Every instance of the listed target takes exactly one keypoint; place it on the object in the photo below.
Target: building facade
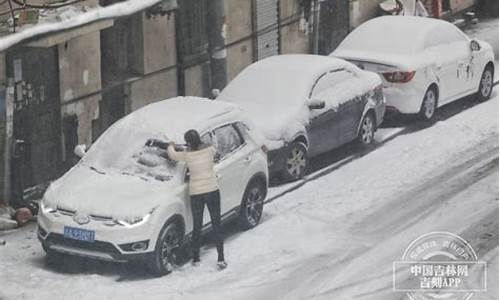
(65, 88)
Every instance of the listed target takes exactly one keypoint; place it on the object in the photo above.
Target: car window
(335, 80)
(227, 139)
(207, 138)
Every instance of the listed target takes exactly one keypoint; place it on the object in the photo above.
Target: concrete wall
(194, 81)
(293, 39)
(363, 10)
(154, 39)
(153, 88)
(239, 26)
(86, 110)
(79, 76)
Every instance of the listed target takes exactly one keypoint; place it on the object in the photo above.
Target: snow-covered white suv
(126, 200)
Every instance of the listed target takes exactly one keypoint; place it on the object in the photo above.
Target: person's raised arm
(175, 155)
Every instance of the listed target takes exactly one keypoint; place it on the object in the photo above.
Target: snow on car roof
(391, 34)
(177, 115)
(274, 90)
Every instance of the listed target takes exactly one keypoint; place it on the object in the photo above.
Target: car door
(452, 68)
(335, 124)
(231, 167)
(459, 45)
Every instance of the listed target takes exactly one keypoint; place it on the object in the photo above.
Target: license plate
(79, 234)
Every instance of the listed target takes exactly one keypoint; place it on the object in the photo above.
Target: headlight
(135, 221)
(46, 209)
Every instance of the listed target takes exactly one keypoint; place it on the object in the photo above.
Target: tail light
(399, 77)
(264, 148)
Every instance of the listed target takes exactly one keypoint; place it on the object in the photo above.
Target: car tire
(296, 162)
(168, 246)
(366, 134)
(252, 204)
(485, 84)
(429, 106)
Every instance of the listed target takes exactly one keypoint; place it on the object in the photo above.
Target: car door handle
(248, 159)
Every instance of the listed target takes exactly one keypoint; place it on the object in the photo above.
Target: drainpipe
(9, 130)
(316, 9)
(216, 24)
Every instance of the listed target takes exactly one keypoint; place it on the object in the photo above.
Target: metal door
(37, 116)
(266, 26)
(333, 24)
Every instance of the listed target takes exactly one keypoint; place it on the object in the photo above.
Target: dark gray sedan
(306, 105)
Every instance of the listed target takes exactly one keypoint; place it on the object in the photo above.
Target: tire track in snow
(421, 201)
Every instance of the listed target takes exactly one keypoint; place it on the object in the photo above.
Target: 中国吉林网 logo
(439, 265)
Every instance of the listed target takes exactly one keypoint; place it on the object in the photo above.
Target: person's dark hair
(192, 138)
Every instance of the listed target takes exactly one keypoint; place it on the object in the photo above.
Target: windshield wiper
(97, 171)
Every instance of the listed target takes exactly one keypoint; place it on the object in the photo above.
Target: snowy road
(334, 235)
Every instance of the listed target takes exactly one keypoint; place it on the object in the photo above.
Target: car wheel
(296, 162)
(252, 204)
(429, 106)
(367, 130)
(168, 246)
(486, 84)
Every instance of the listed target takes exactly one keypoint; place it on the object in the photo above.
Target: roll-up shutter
(266, 17)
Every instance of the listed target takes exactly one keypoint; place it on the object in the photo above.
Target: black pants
(212, 200)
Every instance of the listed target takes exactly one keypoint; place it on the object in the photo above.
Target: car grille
(71, 213)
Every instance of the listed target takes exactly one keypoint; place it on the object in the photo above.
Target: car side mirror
(80, 150)
(316, 104)
(474, 45)
(215, 93)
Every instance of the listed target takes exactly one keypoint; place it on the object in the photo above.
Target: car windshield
(129, 153)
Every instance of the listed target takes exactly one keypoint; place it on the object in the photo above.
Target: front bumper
(110, 244)
(277, 159)
(97, 250)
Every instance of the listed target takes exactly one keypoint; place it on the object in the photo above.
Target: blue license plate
(79, 234)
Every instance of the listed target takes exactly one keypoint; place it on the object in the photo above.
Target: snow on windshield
(131, 149)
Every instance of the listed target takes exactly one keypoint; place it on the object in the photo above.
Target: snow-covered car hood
(109, 194)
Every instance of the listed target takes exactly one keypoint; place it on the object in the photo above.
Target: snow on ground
(333, 238)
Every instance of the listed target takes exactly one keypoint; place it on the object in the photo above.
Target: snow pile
(275, 91)
(74, 20)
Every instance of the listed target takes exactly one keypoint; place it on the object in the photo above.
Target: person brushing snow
(203, 190)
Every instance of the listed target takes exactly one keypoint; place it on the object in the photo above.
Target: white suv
(127, 200)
